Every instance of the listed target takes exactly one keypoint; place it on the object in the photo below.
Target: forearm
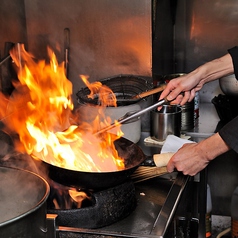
(213, 147)
(215, 69)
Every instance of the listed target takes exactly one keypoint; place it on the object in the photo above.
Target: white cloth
(173, 144)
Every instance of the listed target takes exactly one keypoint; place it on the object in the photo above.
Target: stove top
(157, 200)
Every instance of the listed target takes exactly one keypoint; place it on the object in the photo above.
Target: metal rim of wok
(132, 154)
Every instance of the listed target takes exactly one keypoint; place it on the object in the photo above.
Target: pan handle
(158, 160)
(162, 160)
(149, 161)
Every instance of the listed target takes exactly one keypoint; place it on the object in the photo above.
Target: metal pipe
(4, 59)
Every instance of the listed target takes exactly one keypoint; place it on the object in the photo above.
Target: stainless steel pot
(23, 196)
(187, 109)
(166, 122)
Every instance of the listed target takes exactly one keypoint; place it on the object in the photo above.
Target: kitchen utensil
(4, 59)
(166, 122)
(23, 203)
(152, 168)
(133, 157)
(131, 116)
(150, 92)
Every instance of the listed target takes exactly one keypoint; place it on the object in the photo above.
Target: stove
(165, 206)
(156, 202)
(170, 205)
(87, 209)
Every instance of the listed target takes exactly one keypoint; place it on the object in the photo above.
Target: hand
(182, 89)
(191, 158)
(188, 160)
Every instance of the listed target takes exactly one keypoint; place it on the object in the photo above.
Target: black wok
(132, 155)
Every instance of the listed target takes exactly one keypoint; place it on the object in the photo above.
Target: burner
(92, 210)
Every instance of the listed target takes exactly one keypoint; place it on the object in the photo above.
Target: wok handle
(161, 160)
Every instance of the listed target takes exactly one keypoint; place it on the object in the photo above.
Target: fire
(40, 112)
(78, 196)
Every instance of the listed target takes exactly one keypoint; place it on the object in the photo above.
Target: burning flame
(78, 196)
(105, 95)
(40, 112)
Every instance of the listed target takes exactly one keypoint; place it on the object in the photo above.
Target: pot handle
(162, 160)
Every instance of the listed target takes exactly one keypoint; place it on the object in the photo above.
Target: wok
(132, 154)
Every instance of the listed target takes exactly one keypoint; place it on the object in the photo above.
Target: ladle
(130, 116)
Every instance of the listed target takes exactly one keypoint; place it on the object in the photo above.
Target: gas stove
(164, 206)
(156, 202)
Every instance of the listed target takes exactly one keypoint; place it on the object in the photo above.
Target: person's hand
(188, 159)
(182, 89)
(191, 158)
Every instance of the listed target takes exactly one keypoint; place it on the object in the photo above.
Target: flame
(78, 196)
(105, 95)
(40, 112)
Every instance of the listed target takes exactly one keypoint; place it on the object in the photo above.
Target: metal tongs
(131, 116)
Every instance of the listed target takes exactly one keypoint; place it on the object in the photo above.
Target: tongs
(131, 116)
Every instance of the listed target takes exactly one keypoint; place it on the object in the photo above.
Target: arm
(191, 158)
(194, 81)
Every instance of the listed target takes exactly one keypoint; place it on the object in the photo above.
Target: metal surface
(108, 37)
(166, 214)
(152, 216)
(23, 202)
(4, 59)
(166, 122)
(157, 201)
(66, 50)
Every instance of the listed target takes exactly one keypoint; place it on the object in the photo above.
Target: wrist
(213, 147)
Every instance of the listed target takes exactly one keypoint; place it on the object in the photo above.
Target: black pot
(23, 198)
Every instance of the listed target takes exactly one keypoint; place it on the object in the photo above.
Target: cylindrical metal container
(166, 122)
(23, 198)
(187, 109)
(187, 116)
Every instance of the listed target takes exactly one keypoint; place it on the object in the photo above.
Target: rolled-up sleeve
(229, 133)
(234, 55)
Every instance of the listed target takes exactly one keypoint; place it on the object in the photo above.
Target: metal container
(188, 116)
(166, 122)
(23, 198)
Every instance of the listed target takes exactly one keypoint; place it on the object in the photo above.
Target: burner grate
(107, 207)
